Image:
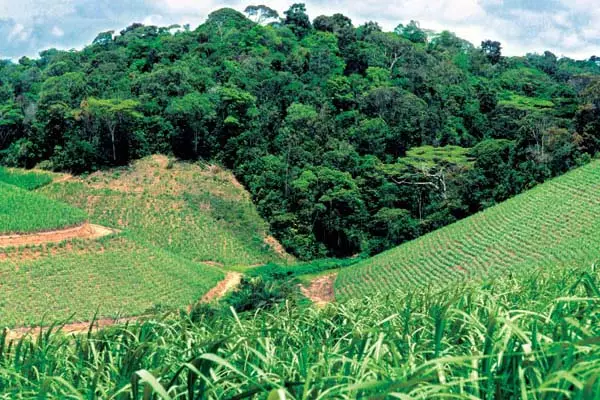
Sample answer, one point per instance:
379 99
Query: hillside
176 225
197 211
553 224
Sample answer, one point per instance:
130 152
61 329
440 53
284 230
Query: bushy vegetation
24 212
24 179
316 118
556 222
528 334
272 284
196 212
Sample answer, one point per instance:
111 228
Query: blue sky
565 27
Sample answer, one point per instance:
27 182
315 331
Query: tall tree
261 13
493 50
297 20
112 113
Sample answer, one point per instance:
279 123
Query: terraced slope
198 212
553 224
23 212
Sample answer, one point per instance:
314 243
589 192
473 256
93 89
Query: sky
566 27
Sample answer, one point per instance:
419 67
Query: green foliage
16 214
524 103
529 334
275 271
536 228
429 156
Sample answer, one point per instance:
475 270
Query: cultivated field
179 226
113 276
557 222
22 212
24 179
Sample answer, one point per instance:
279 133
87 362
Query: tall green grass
533 335
24 212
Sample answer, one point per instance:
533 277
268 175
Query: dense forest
350 139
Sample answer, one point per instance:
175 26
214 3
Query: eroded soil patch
85 231
232 279
320 291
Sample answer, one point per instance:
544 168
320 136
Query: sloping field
23 212
555 223
197 212
112 276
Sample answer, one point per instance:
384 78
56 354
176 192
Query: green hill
555 223
199 212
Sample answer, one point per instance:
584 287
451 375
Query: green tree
112 113
261 13
492 49
297 20
193 113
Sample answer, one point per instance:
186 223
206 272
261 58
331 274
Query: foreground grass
23 212
556 222
113 277
521 336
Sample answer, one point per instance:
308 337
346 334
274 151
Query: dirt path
232 279
76 328
85 231
320 290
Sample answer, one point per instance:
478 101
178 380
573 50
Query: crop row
113 277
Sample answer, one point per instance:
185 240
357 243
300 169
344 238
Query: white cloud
56 31
566 27
18 33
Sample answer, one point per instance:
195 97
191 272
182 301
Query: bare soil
232 279
277 247
320 291
85 231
